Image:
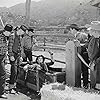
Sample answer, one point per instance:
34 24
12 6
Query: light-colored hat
95 25
82 37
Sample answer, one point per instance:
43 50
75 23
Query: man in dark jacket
14 51
3 49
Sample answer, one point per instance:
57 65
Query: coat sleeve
10 45
22 47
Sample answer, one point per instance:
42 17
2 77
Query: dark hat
23 27
30 29
16 28
8 27
83 28
74 26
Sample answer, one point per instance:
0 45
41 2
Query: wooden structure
34 81
73 65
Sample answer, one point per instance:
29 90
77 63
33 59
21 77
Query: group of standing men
89 40
19 47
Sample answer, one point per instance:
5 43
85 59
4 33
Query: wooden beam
27 14
54 35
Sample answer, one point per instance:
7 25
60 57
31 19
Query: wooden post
28 3
73 65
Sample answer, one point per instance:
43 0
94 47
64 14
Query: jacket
14 45
3 43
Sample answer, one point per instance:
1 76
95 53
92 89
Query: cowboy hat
95 25
8 28
95 29
31 30
23 27
74 26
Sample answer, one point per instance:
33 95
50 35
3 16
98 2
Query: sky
9 3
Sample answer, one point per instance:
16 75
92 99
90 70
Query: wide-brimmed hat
74 26
8 28
95 25
83 28
31 30
24 28
95 29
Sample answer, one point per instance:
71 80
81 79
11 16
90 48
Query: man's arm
22 47
10 45
34 41
52 59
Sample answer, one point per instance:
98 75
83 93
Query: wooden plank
51 47
50 59
53 35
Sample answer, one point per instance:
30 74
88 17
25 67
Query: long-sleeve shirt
14 45
3 44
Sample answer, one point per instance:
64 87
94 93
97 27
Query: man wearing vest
14 51
3 49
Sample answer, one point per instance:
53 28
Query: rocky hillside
55 12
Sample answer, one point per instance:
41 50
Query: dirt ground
23 93
26 94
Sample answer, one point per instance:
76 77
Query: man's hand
50 52
38 67
12 58
26 67
23 55
21 59
92 65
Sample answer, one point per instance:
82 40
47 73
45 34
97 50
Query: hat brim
95 25
82 44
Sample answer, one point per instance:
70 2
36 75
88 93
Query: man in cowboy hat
74 29
94 53
83 39
3 49
27 44
14 51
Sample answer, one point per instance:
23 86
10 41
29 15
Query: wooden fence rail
45 45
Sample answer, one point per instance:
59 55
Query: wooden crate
35 82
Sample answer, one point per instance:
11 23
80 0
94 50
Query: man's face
73 31
40 60
6 33
30 33
20 32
